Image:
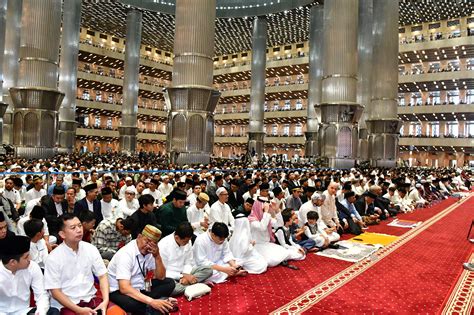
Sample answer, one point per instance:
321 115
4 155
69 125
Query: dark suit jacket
360 207
81 205
234 202
52 215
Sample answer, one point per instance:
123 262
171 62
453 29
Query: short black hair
286 215
38 212
87 216
312 215
146 199
65 217
220 229
6 258
184 230
128 223
2 217
33 227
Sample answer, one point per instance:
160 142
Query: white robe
243 250
273 253
208 253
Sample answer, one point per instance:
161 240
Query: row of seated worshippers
201 242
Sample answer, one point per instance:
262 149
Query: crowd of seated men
95 233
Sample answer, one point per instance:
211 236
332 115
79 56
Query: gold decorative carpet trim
316 294
461 299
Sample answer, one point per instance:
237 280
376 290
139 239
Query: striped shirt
106 237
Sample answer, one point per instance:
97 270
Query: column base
255 143
67 136
363 146
128 139
311 149
35 152
383 142
189 158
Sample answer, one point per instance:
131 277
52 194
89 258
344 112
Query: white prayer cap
418 185
147 181
165 177
220 190
131 189
128 178
318 196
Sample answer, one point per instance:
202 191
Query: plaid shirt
106 237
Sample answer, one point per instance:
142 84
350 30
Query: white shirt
81 194
128 208
177 259
34 194
207 252
303 212
156 194
165 189
192 198
109 209
196 216
220 212
328 210
39 252
20 226
72 272
15 290
127 264
13 195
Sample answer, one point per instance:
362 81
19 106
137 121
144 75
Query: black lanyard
142 269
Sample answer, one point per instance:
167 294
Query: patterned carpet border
316 294
461 299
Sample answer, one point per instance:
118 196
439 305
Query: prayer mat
404 223
349 251
374 239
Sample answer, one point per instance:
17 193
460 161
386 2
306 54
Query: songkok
152 233
203 197
349 194
310 189
220 190
131 189
106 191
58 190
264 186
90 186
297 188
179 195
250 200
15 245
37 179
370 194
77 181
276 191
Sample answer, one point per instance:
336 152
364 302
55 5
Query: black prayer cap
349 194
277 190
106 191
90 187
58 190
250 200
310 189
77 181
370 194
15 245
179 195
264 186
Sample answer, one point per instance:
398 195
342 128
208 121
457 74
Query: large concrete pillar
383 123
364 83
340 111
191 97
36 97
128 130
257 91
68 74
315 74
10 63
3 17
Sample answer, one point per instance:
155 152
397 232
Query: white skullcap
131 189
418 185
220 190
317 196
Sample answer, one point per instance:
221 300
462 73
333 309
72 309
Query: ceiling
234 34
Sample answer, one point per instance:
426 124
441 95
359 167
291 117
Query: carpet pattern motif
318 293
461 299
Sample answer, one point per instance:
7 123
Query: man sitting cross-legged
70 270
212 249
177 254
137 276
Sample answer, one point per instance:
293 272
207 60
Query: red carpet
416 278
278 286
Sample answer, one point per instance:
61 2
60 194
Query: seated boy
318 231
285 239
34 229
